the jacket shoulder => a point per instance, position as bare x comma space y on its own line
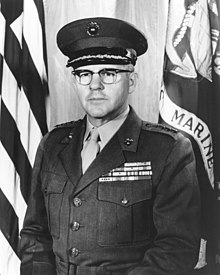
69, 124
62, 132
65, 127
160, 129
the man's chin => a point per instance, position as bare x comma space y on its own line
97, 112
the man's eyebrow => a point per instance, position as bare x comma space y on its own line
79, 71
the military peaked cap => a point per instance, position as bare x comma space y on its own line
100, 40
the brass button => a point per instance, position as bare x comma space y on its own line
124, 201
77, 202
74, 252
75, 226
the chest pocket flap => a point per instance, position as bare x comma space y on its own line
53, 183
125, 193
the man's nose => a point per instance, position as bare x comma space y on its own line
96, 82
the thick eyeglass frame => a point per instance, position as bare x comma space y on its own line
102, 74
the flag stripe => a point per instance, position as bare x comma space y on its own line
31, 80
31, 38
10, 262
17, 103
2, 39
8, 221
13, 61
1, 66
40, 9
32, 84
23, 79
11, 9
15, 149
10, 185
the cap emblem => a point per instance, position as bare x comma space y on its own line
93, 29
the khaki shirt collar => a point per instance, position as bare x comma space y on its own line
107, 130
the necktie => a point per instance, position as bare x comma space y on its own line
90, 149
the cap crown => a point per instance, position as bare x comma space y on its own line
100, 35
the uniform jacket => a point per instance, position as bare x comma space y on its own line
105, 222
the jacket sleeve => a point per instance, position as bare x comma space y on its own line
36, 253
176, 216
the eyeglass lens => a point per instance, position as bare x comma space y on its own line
107, 76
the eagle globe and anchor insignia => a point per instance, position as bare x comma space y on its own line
93, 29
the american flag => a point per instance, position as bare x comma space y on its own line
190, 102
23, 93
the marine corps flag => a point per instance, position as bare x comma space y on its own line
190, 102
23, 89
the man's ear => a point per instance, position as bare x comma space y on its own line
133, 82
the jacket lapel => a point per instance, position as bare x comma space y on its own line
70, 156
112, 155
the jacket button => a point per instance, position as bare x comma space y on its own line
77, 202
74, 252
75, 226
124, 201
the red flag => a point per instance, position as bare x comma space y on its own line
23, 89
190, 102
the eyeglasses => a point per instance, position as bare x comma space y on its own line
107, 76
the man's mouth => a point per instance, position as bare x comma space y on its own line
96, 99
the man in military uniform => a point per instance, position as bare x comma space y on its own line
111, 194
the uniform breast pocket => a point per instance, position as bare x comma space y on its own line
53, 188
125, 212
